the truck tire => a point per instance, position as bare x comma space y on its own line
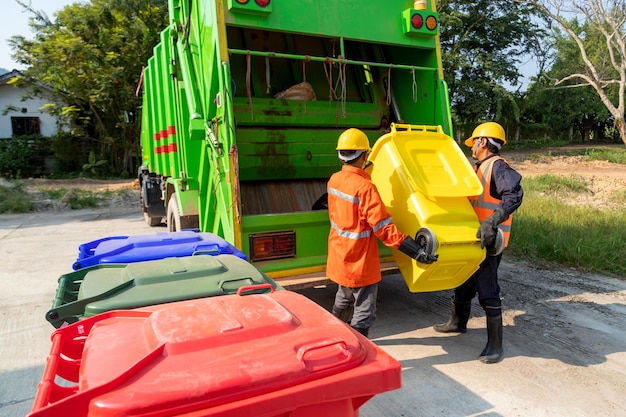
173, 215
151, 203
152, 221
176, 222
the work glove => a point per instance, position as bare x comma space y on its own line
412, 249
488, 229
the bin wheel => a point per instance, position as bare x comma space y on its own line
498, 246
427, 240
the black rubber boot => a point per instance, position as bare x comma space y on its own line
457, 323
492, 353
364, 332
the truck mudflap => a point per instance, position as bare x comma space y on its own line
424, 180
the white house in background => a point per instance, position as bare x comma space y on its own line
25, 117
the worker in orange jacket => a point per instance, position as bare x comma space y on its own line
502, 195
358, 218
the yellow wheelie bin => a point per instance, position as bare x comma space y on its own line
424, 180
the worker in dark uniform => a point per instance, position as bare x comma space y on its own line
502, 195
358, 218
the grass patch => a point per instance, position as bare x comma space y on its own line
16, 198
549, 232
616, 155
79, 199
74, 198
618, 197
555, 184
13, 198
539, 157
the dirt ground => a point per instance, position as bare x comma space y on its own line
564, 335
603, 178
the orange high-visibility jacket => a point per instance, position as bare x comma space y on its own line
485, 204
357, 218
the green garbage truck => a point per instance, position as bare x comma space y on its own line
243, 103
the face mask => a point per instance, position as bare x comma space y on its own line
476, 145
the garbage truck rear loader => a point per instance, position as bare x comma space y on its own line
244, 101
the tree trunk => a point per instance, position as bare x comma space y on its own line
621, 128
571, 133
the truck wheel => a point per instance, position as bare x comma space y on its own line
152, 221
173, 215
151, 203
176, 222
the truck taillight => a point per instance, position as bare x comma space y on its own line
431, 22
421, 23
262, 3
275, 245
257, 7
417, 21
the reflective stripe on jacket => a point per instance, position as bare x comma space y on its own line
485, 204
357, 218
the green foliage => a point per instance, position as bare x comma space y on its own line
558, 108
92, 53
69, 153
482, 42
540, 143
93, 163
588, 50
23, 156
13, 198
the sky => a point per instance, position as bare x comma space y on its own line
14, 21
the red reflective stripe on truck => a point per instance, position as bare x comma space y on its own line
164, 134
166, 148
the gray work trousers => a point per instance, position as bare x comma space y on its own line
364, 301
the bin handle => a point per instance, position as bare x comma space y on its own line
245, 288
205, 252
324, 355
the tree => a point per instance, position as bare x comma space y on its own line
602, 63
93, 54
482, 43
564, 109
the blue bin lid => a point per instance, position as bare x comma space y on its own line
130, 249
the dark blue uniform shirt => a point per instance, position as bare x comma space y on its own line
505, 185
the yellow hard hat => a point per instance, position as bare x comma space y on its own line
353, 140
487, 130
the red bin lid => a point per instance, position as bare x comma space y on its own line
213, 351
